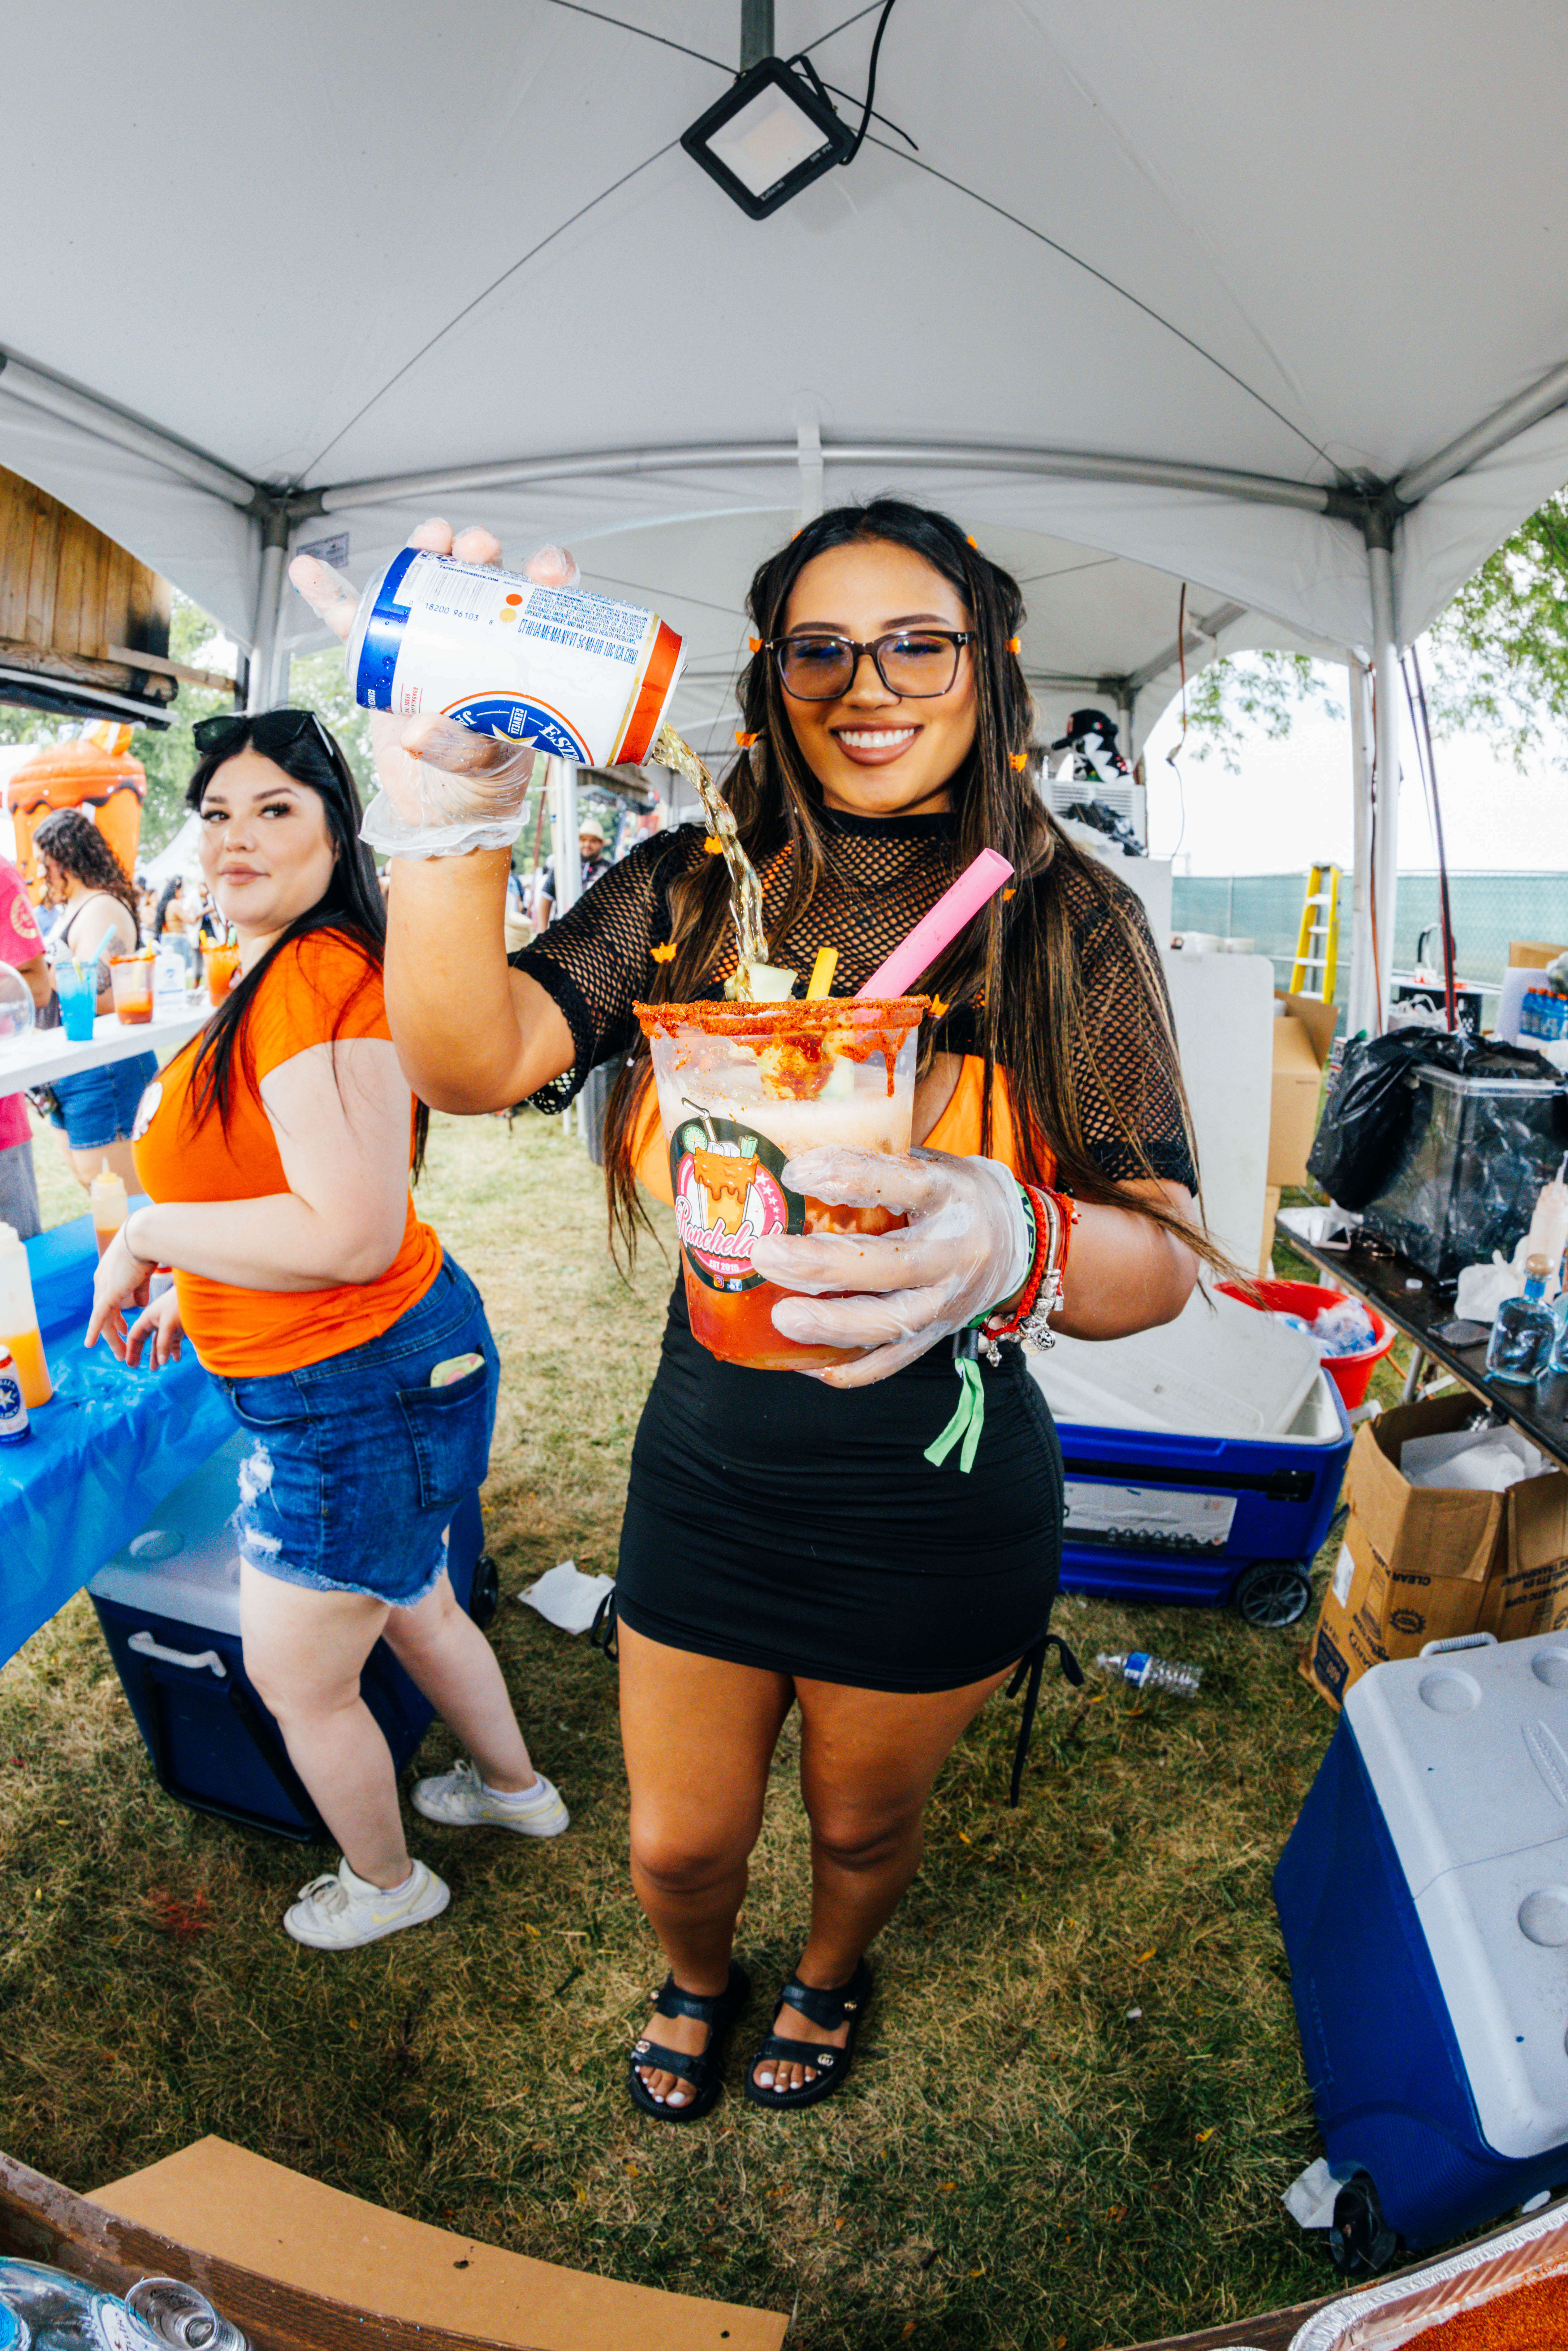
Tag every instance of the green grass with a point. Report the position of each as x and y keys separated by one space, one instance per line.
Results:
x=1020 y=2160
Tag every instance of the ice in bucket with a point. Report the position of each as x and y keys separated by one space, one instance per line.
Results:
x=742 y=1089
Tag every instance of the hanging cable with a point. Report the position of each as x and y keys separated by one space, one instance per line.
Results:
x=1374 y=793
x=1421 y=727
x=871 y=82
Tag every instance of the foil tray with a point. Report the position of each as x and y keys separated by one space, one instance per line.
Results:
x=1382 y=2317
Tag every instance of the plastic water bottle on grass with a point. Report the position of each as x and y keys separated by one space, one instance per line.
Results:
x=1145 y=1672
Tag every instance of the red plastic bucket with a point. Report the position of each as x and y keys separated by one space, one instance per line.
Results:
x=1350 y=1373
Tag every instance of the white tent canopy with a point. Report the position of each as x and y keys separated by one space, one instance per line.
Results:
x=1269 y=305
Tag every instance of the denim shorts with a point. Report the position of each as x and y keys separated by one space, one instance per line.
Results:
x=99 y=1106
x=359 y=1463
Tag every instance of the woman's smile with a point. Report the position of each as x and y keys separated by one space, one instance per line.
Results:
x=875 y=747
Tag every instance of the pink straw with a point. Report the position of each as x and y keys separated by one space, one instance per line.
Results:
x=947 y=918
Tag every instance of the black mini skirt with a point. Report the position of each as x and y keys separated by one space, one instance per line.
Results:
x=776 y=1522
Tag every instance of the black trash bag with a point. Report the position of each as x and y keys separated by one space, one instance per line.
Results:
x=1366 y=1118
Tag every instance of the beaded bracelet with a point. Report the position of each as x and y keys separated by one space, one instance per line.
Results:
x=1052 y=1218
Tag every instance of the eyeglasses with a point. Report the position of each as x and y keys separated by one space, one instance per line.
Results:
x=268 y=731
x=911 y=663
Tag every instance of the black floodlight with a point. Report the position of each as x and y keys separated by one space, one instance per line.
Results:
x=770 y=135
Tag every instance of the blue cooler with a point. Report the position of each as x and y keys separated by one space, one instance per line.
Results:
x=1424 y=1900
x=1201 y=1522
x=1203 y=1460
x=169 y=1606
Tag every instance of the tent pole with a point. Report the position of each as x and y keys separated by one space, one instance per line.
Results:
x=96 y=416
x=1000 y=456
x=568 y=856
x=263 y=678
x=1361 y=996
x=1379 y=532
x=568 y=867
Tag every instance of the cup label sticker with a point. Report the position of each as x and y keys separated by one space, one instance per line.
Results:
x=728 y=1192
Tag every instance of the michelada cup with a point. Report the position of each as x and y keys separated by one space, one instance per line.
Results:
x=743 y=1088
x=223 y=962
x=131 y=978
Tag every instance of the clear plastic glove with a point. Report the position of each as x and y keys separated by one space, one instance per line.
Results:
x=445 y=788
x=965 y=1248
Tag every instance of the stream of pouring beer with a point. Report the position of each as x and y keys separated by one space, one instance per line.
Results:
x=744 y=889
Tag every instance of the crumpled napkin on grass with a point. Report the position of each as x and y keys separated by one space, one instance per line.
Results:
x=567 y=1597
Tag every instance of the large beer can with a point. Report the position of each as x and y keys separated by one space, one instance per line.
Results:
x=575 y=675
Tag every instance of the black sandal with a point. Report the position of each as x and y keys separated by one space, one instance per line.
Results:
x=702 y=2071
x=842 y=2004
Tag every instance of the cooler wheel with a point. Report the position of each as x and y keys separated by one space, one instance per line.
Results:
x=484 y=1594
x=1360 y=2242
x=1273 y=1593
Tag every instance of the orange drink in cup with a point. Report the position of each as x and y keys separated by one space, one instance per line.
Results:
x=221 y=964
x=131 y=979
x=742 y=1089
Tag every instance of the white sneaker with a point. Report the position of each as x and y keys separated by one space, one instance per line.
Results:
x=461 y=1800
x=338 y=1911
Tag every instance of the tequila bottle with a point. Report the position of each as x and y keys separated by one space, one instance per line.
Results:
x=1523 y=1334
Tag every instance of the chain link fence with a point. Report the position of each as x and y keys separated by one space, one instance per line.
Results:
x=1488 y=911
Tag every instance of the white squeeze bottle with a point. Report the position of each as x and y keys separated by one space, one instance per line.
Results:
x=1548 y=1234
x=106 y=1194
x=19 y=1320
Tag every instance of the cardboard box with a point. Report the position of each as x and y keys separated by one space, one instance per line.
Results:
x=223 y=2201
x=1416 y=1562
x=1303 y=1032
x=1534 y=955
x=1529 y=1592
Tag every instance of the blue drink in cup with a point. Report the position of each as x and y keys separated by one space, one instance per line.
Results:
x=77 y=987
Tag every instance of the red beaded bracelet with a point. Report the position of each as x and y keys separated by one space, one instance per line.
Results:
x=1053 y=1217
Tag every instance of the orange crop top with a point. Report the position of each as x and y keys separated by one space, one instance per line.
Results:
x=318 y=985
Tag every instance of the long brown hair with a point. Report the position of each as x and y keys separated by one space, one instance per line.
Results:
x=1016 y=966
x=78 y=848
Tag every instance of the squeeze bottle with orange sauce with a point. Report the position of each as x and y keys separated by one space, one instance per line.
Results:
x=19 y=1320
x=110 y=1208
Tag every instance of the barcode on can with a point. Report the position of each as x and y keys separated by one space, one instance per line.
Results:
x=450 y=591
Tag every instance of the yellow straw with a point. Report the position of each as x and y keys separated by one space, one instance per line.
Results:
x=823 y=972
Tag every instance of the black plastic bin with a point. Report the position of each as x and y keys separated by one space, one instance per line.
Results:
x=169 y=1606
x=1477 y=1151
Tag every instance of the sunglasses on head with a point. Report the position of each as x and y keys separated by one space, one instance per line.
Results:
x=265 y=730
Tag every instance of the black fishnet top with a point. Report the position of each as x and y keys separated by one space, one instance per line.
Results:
x=596 y=961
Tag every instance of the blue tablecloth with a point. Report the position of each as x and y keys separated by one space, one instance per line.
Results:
x=103 y=1453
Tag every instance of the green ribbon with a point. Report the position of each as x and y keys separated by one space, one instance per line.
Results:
x=967 y=1422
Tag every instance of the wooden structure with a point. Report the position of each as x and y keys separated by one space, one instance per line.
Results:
x=84 y=627
x=298 y=2266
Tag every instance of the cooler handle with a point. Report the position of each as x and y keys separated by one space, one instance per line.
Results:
x=146 y=1647
x=1461 y=1641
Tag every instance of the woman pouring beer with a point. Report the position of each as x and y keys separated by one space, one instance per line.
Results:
x=819 y=1541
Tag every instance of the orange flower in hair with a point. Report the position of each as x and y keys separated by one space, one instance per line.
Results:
x=744 y=741
x=1007 y=894
x=756 y=644
x=1015 y=646
x=667 y=954
x=714 y=845
x=938 y=1008
x=972 y=541
x=1017 y=760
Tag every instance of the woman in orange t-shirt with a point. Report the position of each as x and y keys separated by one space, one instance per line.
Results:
x=276 y=1150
